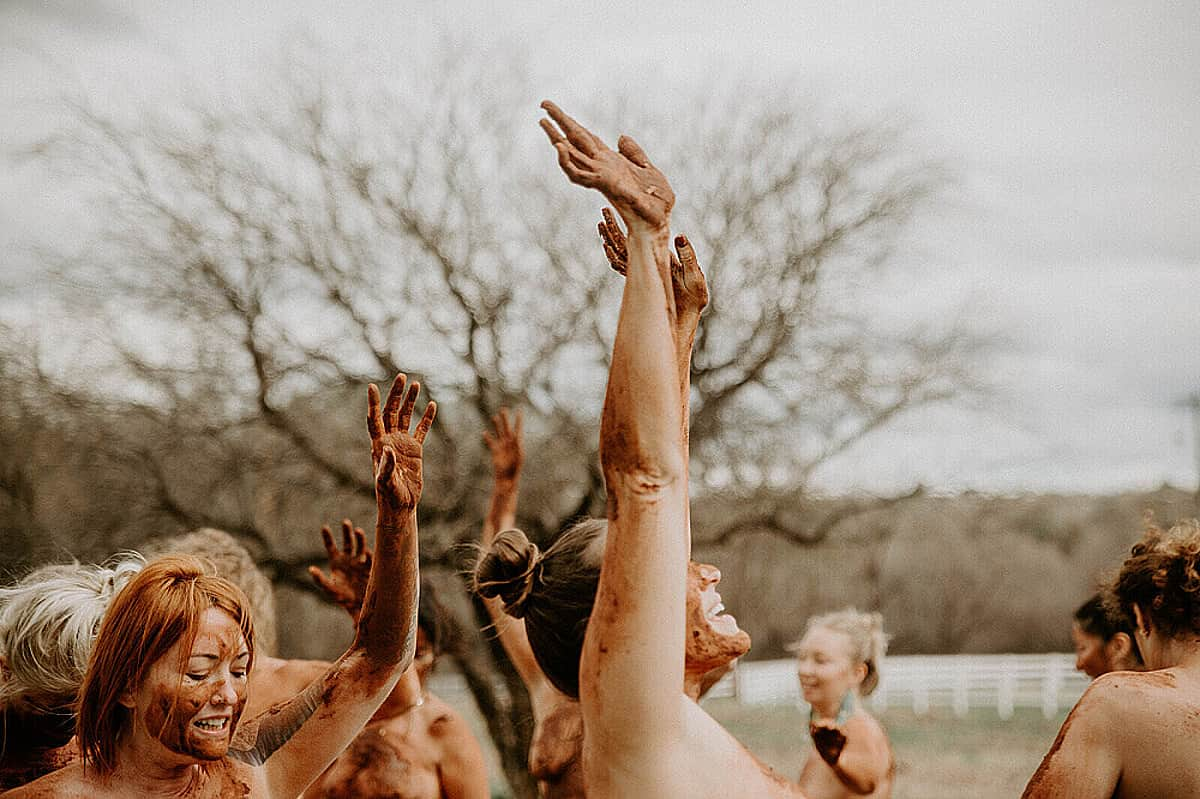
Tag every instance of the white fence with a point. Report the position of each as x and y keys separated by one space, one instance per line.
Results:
x=1047 y=682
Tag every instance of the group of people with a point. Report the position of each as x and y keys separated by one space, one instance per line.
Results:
x=156 y=678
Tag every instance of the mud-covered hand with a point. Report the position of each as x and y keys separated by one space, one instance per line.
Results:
x=687 y=280
x=349 y=567
x=504 y=442
x=828 y=740
x=635 y=187
x=395 y=453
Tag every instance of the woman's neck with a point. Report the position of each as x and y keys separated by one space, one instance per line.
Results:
x=838 y=710
x=1181 y=653
x=147 y=768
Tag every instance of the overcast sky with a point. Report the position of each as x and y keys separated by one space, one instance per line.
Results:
x=1074 y=126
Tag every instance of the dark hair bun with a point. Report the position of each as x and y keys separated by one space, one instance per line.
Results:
x=509 y=569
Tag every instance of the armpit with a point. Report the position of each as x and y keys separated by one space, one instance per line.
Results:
x=257 y=739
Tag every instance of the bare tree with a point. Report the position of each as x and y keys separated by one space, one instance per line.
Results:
x=257 y=262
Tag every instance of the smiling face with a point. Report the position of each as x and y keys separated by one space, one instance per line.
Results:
x=713 y=636
x=826 y=668
x=190 y=701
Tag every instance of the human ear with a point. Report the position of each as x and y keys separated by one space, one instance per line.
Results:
x=1119 y=648
x=860 y=673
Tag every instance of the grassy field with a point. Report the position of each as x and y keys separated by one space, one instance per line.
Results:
x=938 y=756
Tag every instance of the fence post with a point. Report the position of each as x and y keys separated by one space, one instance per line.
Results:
x=961 y=700
x=1050 y=685
x=1006 y=695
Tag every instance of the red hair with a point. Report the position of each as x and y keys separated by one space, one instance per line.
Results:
x=159 y=607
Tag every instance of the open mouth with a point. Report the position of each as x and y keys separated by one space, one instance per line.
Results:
x=212 y=725
x=715 y=610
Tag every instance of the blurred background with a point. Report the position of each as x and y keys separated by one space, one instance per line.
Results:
x=949 y=363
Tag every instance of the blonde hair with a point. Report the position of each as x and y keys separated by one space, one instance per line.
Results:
x=868 y=642
x=233 y=562
x=48 y=623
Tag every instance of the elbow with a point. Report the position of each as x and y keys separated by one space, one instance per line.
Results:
x=643 y=474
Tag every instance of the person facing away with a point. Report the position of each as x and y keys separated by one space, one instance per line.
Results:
x=1137 y=734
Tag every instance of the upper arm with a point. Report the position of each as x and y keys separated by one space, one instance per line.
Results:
x=462 y=768
x=1084 y=760
x=343 y=701
x=866 y=758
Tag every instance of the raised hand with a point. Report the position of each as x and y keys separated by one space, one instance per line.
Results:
x=635 y=187
x=349 y=568
x=687 y=280
x=504 y=442
x=395 y=453
x=828 y=740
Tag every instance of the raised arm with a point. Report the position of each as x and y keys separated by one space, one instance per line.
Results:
x=358 y=682
x=508 y=455
x=631 y=676
x=687 y=285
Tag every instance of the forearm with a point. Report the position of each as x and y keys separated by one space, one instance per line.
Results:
x=386 y=636
x=502 y=509
x=641 y=421
x=634 y=651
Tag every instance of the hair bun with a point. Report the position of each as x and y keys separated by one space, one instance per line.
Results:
x=509 y=569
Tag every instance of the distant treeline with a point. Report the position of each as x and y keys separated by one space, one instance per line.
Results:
x=970 y=573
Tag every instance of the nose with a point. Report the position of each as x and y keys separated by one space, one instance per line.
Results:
x=225 y=693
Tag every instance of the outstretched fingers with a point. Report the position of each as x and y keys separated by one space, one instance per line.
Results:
x=627 y=147
x=406 y=410
x=374 y=417
x=391 y=411
x=426 y=422
x=576 y=134
x=327 y=539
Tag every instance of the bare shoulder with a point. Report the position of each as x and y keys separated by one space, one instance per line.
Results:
x=1130 y=693
x=444 y=722
x=67 y=782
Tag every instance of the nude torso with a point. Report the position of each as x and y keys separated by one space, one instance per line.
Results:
x=555 y=754
x=818 y=780
x=394 y=758
x=225 y=779
x=706 y=762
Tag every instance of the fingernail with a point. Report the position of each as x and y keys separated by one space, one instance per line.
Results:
x=680 y=241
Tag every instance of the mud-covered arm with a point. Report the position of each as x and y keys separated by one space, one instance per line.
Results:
x=359 y=681
x=857 y=754
x=1085 y=760
x=631 y=675
x=257 y=739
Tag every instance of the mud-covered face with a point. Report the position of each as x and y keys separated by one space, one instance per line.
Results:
x=826 y=668
x=713 y=636
x=1091 y=656
x=191 y=701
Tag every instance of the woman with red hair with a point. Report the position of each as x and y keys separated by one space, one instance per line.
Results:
x=167 y=678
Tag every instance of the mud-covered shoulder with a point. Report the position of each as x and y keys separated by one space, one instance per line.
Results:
x=66 y=783
x=1125 y=694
